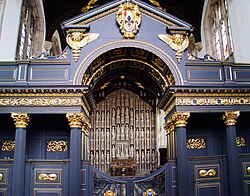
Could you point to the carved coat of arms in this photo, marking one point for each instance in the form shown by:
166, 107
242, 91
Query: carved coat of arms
129, 19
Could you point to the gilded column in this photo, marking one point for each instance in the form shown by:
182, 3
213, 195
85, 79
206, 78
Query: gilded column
75, 123
232, 155
180, 122
18, 184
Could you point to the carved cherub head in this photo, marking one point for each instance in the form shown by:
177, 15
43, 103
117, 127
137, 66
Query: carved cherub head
77, 36
178, 38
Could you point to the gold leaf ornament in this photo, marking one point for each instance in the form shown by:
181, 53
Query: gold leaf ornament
178, 42
77, 39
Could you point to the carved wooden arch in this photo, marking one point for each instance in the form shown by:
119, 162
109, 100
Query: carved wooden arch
86, 62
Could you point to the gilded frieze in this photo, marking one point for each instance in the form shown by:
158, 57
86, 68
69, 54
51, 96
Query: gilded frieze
51, 101
209, 101
98, 62
8, 145
198, 143
57, 146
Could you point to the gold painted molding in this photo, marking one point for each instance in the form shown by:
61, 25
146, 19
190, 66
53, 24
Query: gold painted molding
21, 119
230, 118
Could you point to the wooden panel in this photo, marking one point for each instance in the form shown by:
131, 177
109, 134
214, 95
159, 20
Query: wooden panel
207, 189
47, 191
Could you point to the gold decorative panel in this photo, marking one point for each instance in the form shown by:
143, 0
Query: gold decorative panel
240, 141
8, 145
57, 146
154, 73
47, 176
123, 127
139, 53
206, 172
197, 143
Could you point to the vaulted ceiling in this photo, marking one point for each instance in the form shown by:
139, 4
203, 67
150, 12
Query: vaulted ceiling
57, 11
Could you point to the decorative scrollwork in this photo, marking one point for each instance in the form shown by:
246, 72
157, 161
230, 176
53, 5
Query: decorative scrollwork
57, 146
8, 145
129, 19
207, 173
198, 143
240, 141
49, 177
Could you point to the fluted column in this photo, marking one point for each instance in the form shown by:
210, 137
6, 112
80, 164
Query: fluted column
232, 156
170, 133
85, 139
180, 122
18, 184
75, 123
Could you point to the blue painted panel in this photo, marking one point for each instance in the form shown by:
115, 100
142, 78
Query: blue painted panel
34, 149
205, 74
41, 73
241, 74
208, 189
8, 73
47, 192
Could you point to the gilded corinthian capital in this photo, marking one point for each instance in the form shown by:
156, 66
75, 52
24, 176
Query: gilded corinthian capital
169, 126
75, 119
20, 119
230, 118
180, 119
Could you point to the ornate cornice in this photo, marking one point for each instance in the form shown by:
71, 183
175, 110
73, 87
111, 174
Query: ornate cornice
20, 119
180, 119
230, 118
75, 119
